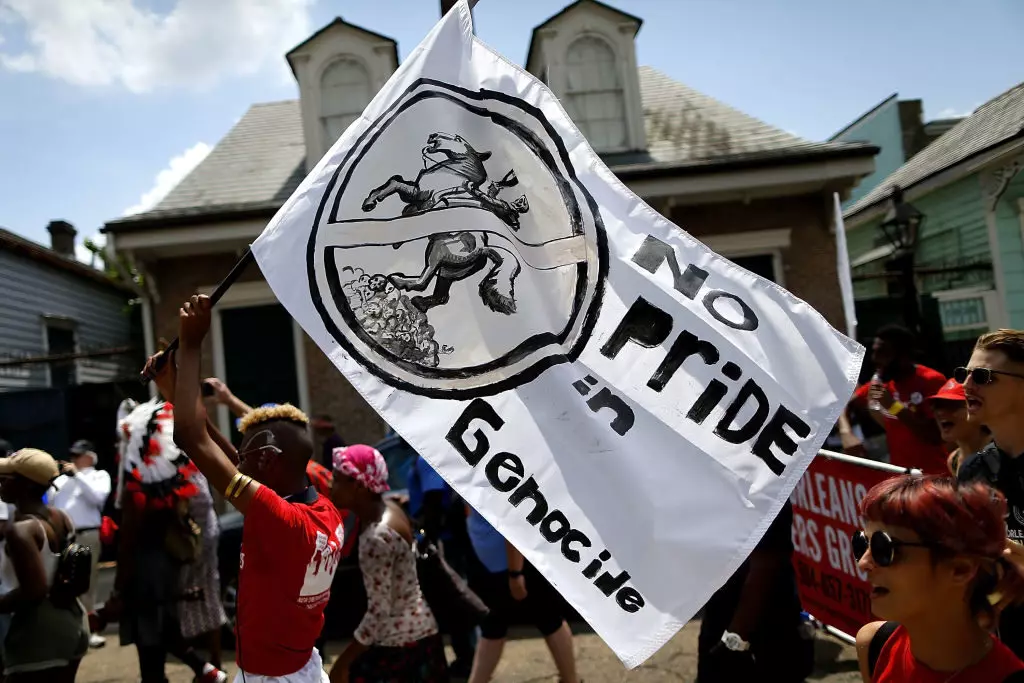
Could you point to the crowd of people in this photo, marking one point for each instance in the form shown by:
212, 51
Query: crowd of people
940, 545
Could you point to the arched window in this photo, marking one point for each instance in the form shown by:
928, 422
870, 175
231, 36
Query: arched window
344, 93
595, 97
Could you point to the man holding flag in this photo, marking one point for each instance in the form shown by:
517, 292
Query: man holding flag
292, 537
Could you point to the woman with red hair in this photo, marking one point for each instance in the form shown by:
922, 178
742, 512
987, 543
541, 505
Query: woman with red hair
933, 552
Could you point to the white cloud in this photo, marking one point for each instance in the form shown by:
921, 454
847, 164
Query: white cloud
953, 113
178, 167
118, 42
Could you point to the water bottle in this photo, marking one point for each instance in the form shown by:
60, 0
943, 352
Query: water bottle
873, 404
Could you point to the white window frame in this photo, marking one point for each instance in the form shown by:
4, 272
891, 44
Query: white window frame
617, 68
994, 312
248, 295
321, 117
63, 322
753, 243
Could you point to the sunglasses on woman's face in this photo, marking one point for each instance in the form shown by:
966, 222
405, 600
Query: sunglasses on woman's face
883, 547
981, 375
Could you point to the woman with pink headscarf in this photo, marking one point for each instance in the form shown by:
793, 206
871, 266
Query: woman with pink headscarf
398, 637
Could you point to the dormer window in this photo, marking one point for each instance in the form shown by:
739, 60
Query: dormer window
586, 54
594, 93
345, 90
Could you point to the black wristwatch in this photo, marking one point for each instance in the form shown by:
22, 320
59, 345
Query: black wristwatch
515, 573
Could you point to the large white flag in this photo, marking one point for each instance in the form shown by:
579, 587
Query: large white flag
629, 409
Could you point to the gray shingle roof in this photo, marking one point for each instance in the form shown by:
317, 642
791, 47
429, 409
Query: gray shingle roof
10, 241
997, 121
684, 125
261, 161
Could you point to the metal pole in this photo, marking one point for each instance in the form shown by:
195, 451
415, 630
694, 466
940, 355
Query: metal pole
864, 462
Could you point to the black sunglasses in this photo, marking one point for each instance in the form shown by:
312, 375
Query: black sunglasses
883, 547
981, 375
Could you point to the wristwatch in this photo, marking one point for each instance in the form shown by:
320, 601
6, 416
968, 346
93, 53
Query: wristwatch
734, 642
515, 573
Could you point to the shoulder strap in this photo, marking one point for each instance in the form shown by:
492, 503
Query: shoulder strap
879, 640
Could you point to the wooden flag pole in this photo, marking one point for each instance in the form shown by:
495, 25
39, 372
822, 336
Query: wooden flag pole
225, 284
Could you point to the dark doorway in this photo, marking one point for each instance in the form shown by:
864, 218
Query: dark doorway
259, 356
759, 264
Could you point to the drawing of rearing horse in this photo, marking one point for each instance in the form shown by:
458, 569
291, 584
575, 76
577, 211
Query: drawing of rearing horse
452, 176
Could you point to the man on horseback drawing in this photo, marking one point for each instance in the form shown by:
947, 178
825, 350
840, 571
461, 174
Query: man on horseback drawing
453, 176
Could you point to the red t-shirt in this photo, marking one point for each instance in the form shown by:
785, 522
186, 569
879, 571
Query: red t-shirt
290, 551
905, 449
896, 664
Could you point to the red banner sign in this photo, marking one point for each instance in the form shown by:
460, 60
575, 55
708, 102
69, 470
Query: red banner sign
825, 515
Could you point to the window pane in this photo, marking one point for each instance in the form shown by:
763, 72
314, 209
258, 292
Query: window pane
345, 88
334, 126
61, 340
595, 99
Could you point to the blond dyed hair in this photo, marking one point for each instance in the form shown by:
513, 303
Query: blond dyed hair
284, 412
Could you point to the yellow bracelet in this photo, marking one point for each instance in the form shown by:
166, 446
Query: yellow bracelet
896, 408
233, 484
242, 486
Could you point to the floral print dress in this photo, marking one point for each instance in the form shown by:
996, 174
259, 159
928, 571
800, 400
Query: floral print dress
398, 626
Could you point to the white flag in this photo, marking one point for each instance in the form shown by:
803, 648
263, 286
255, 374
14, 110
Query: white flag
843, 268
630, 410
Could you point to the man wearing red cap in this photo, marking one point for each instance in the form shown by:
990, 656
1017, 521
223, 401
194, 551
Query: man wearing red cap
949, 405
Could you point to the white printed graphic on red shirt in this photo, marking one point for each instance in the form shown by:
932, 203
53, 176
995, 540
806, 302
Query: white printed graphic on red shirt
316, 587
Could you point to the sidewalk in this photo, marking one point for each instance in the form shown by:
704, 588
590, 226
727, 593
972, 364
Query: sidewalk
526, 661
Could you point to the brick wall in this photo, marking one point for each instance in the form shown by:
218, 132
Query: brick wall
329, 392
809, 264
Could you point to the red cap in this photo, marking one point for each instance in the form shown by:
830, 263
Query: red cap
950, 391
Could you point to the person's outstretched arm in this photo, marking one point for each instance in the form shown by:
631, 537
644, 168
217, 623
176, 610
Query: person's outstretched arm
191, 431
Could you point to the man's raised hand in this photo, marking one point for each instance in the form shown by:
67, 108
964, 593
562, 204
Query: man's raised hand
194, 321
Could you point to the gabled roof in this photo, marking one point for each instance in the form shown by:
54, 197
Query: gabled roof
686, 126
255, 167
997, 121
338, 21
570, 7
866, 115
261, 161
37, 252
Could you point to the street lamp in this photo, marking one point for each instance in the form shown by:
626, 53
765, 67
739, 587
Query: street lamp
901, 222
901, 227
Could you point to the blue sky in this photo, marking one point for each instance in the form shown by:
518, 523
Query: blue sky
104, 103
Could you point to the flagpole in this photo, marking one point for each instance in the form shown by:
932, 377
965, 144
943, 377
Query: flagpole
843, 268
222, 288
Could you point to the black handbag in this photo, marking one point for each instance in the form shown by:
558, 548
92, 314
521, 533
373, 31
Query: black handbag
455, 607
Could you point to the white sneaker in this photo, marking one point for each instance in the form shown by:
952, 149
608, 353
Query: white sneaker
97, 641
